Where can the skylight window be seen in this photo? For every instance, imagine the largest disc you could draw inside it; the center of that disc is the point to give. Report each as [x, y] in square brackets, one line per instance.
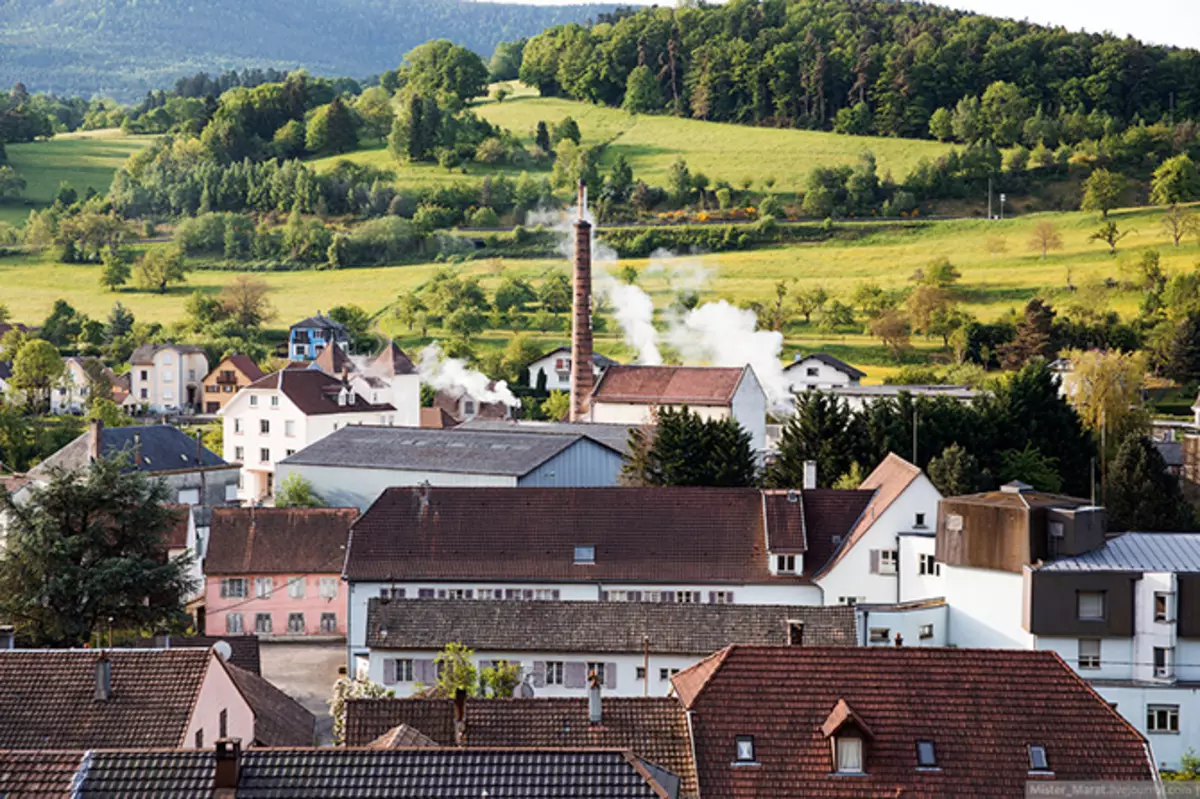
[1037, 758]
[585, 555]
[745, 748]
[926, 754]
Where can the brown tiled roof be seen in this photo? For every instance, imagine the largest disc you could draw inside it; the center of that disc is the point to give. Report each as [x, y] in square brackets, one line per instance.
[437, 419]
[446, 400]
[279, 720]
[639, 534]
[245, 365]
[177, 535]
[661, 628]
[653, 728]
[314, 392]
[278, 540]
[333, 360]
[888, 481]
[668, 385]
[403, 737]
[807, 520]
[47, 698]
[982, 709]
[38, 774]
[392, 361]
[243, 648]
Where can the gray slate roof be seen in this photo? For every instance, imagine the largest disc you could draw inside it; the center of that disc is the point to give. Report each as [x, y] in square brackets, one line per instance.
[1147, 552]
[433, 450]
[828, 360]
[600, 627]
[164, 449]
[613, 436]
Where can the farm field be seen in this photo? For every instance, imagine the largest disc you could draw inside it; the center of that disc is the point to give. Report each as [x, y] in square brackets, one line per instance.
[990, 286]
[81, 159]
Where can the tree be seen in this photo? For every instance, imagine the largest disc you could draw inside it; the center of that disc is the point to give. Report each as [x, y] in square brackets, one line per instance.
[160, 267]
[1179, 222]
[1140, 494]
[891, 328]
[87, 552]
[967, 120]
[679, 182]
[1045, 238]
[1031, 465]
[556, 294]
[456, 671]
[557, 406]
[1004, 112]
[500, 680]
[1175, 181]
[332, 129]
[449, 72]
[628, 274]
[1110, 234]
[107, 412]
[505, 63]
[245, 300]
[295, 491]
[565, 129]
[374, 108]
[1102, 191]
[541, 137]
[119, 323]
[811, 301]
[1033, 336]
[955, 472]
[345, 689]
[409, 309]
[116, 270]
[642, 91]
[415, 130]
[1183, 356]
[1105, 389]
[820, 429]
[11, 183]
[682, 449]
[941, 124]
[36, 369]
[513, 294]
[62, 325]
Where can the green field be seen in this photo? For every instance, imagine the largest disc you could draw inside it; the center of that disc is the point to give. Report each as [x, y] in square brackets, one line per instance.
[80, 159]
[990, 286]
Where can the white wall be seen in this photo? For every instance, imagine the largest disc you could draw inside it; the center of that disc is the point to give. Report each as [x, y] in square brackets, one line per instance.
[1132, 701]
[1116, 655]
[1149, 634]
[826, 376]
[913, 584]
[750, 410]
[555, 380]
[909, 622]
[218, 692]
[70, 395]
[986, 608]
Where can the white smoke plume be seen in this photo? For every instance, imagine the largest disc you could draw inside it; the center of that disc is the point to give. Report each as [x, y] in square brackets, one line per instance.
[453, 374]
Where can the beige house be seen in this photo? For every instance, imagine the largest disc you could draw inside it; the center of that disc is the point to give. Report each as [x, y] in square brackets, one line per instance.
[228, 378]
[167, 377]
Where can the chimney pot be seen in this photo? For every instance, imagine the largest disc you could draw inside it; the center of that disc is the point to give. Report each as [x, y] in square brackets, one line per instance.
[899, 639]
[103, 679]
[228, 762]
[595, 705]
[582, 376]
[810, 475]
[95, 447]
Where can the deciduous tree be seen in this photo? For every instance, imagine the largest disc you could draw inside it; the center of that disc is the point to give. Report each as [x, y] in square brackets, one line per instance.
[1102, 191]
[1045, 238]
[36, 370]
[160, 267]
[245, 301]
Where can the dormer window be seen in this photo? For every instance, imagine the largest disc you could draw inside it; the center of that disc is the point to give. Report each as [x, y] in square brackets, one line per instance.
[926, 755]
[785, 564]
[847, 733]
[848, 750]
[1037, 758]
[744, 749]
[585, 555]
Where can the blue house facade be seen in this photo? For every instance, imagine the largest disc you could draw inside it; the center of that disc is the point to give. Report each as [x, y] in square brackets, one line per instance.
[308, 338]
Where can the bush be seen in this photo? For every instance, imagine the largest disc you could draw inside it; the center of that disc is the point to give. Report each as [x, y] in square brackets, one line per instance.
[483, 217]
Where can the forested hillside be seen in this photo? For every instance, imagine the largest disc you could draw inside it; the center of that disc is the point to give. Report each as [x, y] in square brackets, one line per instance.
[122, 48]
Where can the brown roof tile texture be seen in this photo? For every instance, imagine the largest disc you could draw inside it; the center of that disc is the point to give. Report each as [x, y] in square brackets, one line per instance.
[243, 648]
[888, 481]
[245, 541]
[639, 534]
[809, 520]
[314, 392]
[38, 775]
[653, 728]
[980, 708]
[245, 365]
[668, 385]
[279, 720]
[392, 361]
[403, 737]
[47, 698]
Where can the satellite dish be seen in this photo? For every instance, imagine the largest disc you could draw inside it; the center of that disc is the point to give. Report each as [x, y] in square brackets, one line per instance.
[223, 649]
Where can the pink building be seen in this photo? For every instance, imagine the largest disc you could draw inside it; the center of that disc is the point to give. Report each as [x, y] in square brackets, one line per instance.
[276, 572]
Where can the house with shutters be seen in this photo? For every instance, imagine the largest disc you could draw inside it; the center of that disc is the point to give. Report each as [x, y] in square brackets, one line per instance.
[554, 368]
[632, 648]
[166, 378]
[274, 572]
[230, 376]
[308, 338]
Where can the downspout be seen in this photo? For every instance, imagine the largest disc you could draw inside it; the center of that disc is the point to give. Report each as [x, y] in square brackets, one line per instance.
[899, 569]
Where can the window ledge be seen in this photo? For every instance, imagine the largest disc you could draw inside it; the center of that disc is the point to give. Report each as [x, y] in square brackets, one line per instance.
[1040, 773]
[849, 774]
[930, 769]
[1162, 732]
[744, 763]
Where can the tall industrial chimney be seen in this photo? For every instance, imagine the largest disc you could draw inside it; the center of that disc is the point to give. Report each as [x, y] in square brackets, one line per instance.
[582, 376]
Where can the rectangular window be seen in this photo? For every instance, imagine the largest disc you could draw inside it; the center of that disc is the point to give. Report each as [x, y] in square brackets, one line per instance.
[253, 400]
[239, 454]
[888, 560]
[233, 588]
[145, 374]
[223, 723]
[585, 555]
[392, 593]
[849, 600]
[262, 623]
[928, 566]
[262, 587]
[237, 425]
[1164, 662]
[329, 623]
[598, 670]
[641, 672]
[554, 672]
[926, 754]
[811, 371]
[849, 755]
[264, 426]
[1162, 718]
[233, 623]
[404, 670]
[545, 594]
[666, 674]
[1089, 653]
[329, 586]
[688, 597]
[296, 588]
[145, 394]
[744, 748]
[296, 623]
[290, 453]
[189, 496]
[168, 376]
[785, 564]
[264, 455]
[1091, 605]
[1037, 758]
[1162, 607]
[925, 631]
[722, 597]
[879, 635]
[274, 400]
[289, 427]
[919, 520]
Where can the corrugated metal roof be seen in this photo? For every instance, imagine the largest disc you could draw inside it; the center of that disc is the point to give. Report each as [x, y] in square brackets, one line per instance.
[1151, 552]
[613, 436]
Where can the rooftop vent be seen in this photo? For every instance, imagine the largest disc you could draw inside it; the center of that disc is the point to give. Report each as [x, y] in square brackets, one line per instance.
[1016, 487]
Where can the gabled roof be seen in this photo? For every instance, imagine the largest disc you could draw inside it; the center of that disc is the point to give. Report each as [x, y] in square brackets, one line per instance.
[662, 628]
[449, 451]
[1146, 552]
[313, 392]
[982, 709]
[243, 364]
[640, 534]
[447, 401]
[614, 436]
[888, 481]
[392, 362]
[245, 541]
[404, 737]
[144, 354]
[333, 361]
[163, 449]
[279, 720]
[811, 521]
[47, 697]
[653, 728]
[320, 321]
[437, 419]
[830, 361]
[243, 648]
[602, 361]
[668, 385]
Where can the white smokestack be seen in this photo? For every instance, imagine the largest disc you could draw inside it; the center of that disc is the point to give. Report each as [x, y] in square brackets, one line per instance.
[810, 474]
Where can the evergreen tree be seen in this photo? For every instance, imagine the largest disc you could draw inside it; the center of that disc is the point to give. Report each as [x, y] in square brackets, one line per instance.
[1183, 357]
[120, 323]
[955, 472]
[820, 429]
[682, 449]
[1141, 494]
[1033, 336]
[332, 129]
[542, 137]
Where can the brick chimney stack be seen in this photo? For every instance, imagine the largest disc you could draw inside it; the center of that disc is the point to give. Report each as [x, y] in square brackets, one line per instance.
[582, 377]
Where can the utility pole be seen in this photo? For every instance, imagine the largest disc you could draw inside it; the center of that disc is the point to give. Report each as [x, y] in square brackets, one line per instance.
[914, 458]
[1003, 197]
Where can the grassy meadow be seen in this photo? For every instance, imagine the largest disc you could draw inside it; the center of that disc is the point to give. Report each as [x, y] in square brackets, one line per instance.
[81, 159]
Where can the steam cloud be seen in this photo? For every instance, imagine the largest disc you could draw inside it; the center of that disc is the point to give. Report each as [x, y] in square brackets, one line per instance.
[453, 374]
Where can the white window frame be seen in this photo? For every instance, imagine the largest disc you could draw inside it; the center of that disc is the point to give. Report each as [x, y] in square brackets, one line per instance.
[263, 587]
[879, 635]
[1089, 653]
[928, 566]
[404, 669]
[331, 627]
[785, 564]
[289, 428]
[1162, 719]
[303, 626]
[889, 561]
[585, 555]
[849, 752]
[1085, 602]
[234, 623]
[554, 672]
[743, 749]
[296, 587]
[233, 588]
[1168, 614]
[597, 667]
[1166, 656]
[263, 629]
[329, 587]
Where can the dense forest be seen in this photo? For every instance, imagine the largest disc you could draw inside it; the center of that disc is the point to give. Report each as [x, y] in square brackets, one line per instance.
[122, 49]
[868, 67]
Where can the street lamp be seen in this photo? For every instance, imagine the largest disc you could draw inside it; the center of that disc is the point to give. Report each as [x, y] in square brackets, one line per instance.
[1003, 197]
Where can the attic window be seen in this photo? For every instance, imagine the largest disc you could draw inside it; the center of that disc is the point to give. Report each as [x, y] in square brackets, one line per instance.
[585, 555]
[849, 753]
[744, 748]
[1037, 758]
[926, 755]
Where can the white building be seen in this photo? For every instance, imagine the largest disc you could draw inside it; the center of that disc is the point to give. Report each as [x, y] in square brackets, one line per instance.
[355, 464]
[858, 397]
[818, 370]
[167, 377]
[634, 649]
[283, 413]
[556, 365]
[631, 394]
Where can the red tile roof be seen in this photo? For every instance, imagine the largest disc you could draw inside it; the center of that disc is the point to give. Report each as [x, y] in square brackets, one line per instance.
[278, 540]
[437, 419]
[639, 534]
[245, 365]
[669, 385]
[982, 709]
[313, 392]
[808, 521]
[38, 774]
[333, 360]
[177, 535]
[279, 720]
[47, 698]
[392, 361]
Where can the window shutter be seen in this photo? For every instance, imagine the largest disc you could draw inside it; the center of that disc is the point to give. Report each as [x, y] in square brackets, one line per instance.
[696, 597]
[424, 672]
[729, 597]
[469, 594]
[539, 674]
[712, 597]
[424, 593]
[635, 596]
[574, 674]
[557, 594]
[610, 675]
[874, 561]
[389, 671]
[667, 596]
[511, 593]
[603, 596]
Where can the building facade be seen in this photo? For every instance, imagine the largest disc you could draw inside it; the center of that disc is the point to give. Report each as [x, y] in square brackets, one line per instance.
[166, 378]
[309, 337]
[555, 369]
[818, 370]
[228, 378]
